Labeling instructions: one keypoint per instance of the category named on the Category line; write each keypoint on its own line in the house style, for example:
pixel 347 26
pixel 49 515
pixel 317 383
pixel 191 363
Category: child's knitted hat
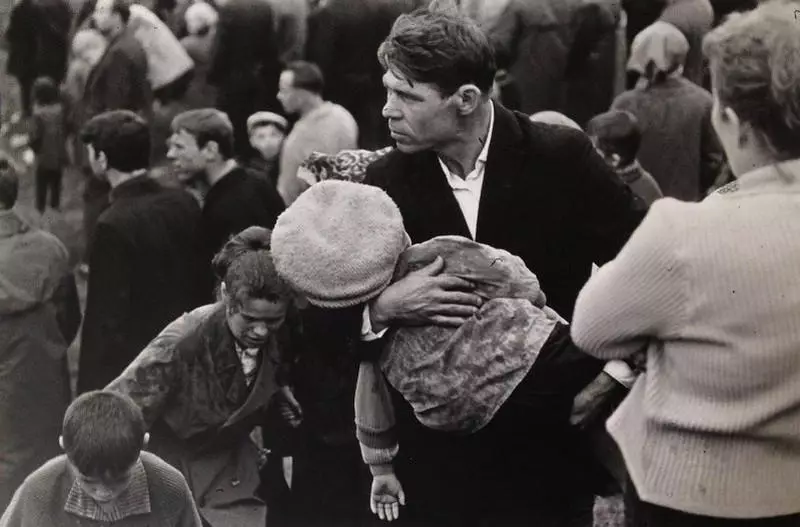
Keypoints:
pixel 339 242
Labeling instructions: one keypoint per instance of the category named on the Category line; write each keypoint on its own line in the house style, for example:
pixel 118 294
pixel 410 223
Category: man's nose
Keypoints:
pixel 389 111
pixel 260 329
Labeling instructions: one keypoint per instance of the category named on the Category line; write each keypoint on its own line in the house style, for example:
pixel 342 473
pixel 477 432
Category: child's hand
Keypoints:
pixel 385 495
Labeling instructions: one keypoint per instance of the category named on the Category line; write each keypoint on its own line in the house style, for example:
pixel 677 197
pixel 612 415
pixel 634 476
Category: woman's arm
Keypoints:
pixel 639 295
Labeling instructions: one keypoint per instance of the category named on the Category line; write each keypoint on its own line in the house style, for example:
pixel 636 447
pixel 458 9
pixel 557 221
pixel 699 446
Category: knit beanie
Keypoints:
pixel 338 243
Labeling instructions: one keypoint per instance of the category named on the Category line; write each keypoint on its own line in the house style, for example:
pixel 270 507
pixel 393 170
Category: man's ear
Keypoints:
pixel 146 440
pixel 468 97
pixel 211 150
pixel 61 442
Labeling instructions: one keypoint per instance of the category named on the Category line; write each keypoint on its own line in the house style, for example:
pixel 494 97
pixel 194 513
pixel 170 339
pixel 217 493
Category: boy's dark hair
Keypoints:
pixel 103 433
pixel 617 132
pixel 245 266
pixel 206 125
pixel 307 76
pixel 440 48
pixel 123 136
pixel 9 184
pixel 45 91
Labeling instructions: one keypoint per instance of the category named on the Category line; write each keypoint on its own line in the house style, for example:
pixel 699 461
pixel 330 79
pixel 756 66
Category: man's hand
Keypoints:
pixel 386 496
pixel 426 297
pixel 290 408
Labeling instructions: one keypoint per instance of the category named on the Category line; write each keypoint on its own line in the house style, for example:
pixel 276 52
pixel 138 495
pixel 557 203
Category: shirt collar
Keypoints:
pixel 135 500
pixel 477 171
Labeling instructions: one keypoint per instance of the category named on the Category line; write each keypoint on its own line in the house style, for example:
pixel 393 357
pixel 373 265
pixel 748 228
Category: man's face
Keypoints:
pixel 267 139
pixel 288 95
pixel 185 154
pixel 253 318
pixel 419 117
pixel 104 488
pixel 106 20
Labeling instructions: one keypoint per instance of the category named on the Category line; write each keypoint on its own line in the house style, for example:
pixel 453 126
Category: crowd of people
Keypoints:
pixel 449 263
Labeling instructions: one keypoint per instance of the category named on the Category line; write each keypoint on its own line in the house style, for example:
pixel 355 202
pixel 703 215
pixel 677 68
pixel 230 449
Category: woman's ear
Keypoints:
pixel 146 440
pixel 223 291
pixel 61 442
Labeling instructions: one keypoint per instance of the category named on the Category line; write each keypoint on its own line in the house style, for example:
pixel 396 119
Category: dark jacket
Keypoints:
pixel 191 388
pixel 48 137
pixel 546 45
pixel 550 199
pixel 119 81
pixel 145 272
pixel 246 67
pixel 37 35
pixel 679 146
pixel 239 200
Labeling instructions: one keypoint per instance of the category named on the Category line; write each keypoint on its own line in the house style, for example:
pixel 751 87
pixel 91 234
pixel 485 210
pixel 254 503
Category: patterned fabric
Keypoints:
pixel 347 165
pixel 457 379
pixel 134 500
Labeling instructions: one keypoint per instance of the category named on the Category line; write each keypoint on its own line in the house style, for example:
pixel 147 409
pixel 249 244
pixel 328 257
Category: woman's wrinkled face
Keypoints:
pixel 251 319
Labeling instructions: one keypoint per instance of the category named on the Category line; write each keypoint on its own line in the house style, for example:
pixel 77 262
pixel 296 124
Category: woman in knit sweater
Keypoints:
pixel 711 432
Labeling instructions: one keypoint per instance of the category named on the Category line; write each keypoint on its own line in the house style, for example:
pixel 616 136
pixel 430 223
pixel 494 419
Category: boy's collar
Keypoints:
pixel 135 500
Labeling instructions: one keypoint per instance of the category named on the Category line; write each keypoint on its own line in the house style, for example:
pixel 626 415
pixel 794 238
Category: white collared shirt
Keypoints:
pixel 467 191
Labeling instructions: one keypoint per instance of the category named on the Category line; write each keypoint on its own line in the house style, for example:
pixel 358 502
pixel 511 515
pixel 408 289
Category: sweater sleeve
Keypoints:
pixel 639 295
pixel 375 419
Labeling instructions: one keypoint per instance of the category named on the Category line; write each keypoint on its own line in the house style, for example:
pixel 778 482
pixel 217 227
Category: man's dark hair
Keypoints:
pixel 122 136
pixel 103 433
pixel 206 125
pixel 617 132
pixel 9 184
pixel 45 91
pixel 307 76
pixel 439 48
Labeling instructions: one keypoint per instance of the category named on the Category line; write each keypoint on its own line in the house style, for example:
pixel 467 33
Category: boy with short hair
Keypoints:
pixel 267 132
pixel 616 135
pixel 104 477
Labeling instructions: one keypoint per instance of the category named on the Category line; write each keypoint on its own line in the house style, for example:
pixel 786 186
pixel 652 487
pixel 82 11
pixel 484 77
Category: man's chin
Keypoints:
pixel 408 148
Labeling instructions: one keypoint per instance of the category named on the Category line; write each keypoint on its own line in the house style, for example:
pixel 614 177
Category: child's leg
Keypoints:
pixel 41 188
pixel 55 189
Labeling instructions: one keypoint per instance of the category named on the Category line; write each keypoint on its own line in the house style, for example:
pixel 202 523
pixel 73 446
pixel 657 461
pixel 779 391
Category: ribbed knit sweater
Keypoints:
pixel 713 427
pixel 41 498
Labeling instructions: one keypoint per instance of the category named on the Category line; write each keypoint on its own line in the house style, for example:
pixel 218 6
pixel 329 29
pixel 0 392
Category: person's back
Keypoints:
pixel 674 117
pixel 51 133
pixel 145 257
pixel 35 328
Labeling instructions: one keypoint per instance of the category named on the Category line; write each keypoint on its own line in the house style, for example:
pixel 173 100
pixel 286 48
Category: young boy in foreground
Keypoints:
pixel 104 478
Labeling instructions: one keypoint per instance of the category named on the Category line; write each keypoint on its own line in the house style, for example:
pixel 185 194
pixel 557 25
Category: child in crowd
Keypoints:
pixel 48 140
pixel 616 135
pixel 104 477
pixel 267 132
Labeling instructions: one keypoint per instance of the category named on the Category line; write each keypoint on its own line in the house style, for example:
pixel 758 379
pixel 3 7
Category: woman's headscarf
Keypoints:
pixel 658 51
